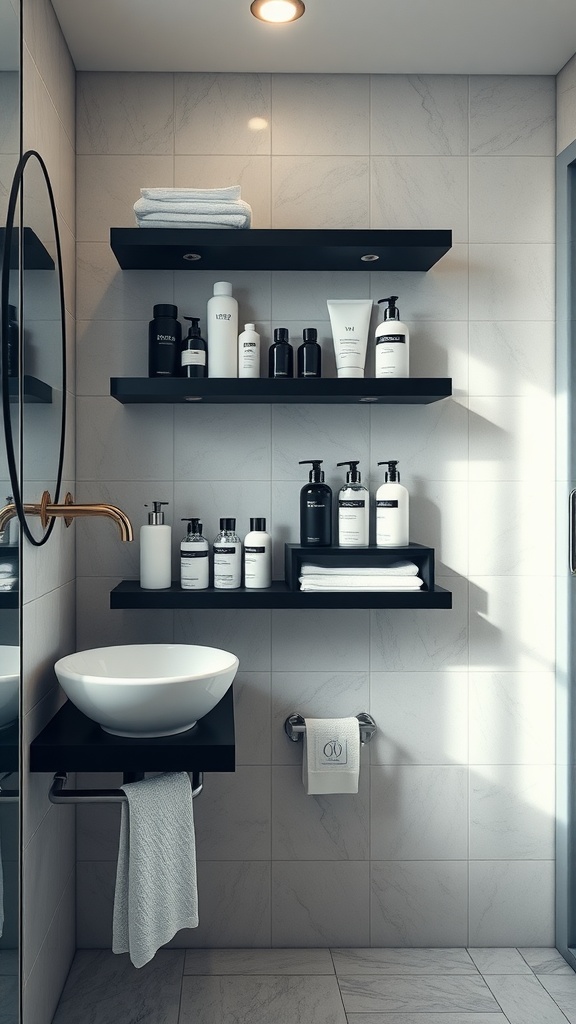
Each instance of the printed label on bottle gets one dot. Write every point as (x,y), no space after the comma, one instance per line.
(315,504)
(399,339)
(227,566)
(193,357)
(194,569)
(255,551)
(194,554)
(220,550)
(387,503)
(352,504)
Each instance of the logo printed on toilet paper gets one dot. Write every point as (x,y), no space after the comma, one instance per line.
(334,752)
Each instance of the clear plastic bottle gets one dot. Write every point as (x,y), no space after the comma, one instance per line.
(194,561)
(353,510)
(227,557)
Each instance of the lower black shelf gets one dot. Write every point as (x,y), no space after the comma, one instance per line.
(129,594)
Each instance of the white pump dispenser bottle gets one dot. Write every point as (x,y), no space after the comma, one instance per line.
(155,550)
(392,356)
(392,515)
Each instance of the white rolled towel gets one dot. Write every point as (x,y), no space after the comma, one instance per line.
(177,195)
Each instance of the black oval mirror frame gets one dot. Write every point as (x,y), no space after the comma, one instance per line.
(15,193)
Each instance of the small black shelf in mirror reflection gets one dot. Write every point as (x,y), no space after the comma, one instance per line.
(9,749)
(36,255)
(34,390)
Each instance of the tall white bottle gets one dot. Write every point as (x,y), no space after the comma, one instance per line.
(257,556)
(249,352)
(392,356)
(353,510)
(392,509)
(155,550)
(222,330)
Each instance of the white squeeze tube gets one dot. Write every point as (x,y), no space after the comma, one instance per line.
(350,320)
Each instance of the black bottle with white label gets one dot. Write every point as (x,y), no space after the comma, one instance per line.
(353,509)
(194,561)
(164,337)
(227,551)
(194,351)
(392,356)
(281,355)
(315,508)
(309,355)
(392,518)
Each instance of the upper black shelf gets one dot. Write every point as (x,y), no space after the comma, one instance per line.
(325,390)
(33,389)
(272,249)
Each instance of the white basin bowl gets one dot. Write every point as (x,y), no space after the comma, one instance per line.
(145,690)
(9,684)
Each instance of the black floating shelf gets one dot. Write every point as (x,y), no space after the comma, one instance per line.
(270,249)
(72,742)
(9,749)
(322,391)
(34,390)
(9,599)
(129,594)
(35,253)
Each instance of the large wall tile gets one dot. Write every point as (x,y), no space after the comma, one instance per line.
(419,115)
(245,633)
(421,718)
(222,114)
(252,715)
(510,436)
(48,975)
(108,187)
(511,281)
(107,293)
(437,518)
(419,903)
(419,813)
(500,914)
(329,640)
(320,192)
(512,199)
(320,115)
(193,289)
(440,294)
(512,718)
(512,623)
(233,906)
(511,528)
(508,358)
(110,348)
(313,694)
(512,812)
(422,641)
(566,119)
(318,827)
(430,441)
(146,449)
(198,450)
(122,113)
(320,903)
(304,295)
(438,348)
(512,115)
(420,192)
(101,626)
(233,821)
(252,173)
(338,432)
(48,867)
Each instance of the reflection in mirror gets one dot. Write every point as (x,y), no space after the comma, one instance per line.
(9,561)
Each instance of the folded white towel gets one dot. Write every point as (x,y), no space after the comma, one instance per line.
(313,588)
(8,582)
(156,892)
(319,583)
(196,220)
(331,757)
(177,195)
(402,568)
(147,207)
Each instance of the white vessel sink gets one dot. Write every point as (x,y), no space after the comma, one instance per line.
(9,684)
(144,690)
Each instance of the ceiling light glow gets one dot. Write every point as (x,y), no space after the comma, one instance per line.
(277,11)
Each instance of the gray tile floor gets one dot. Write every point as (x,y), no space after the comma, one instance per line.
(321,986)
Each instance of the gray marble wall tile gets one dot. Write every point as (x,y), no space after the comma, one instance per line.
(512,812)
(95,882)
(193,289)
(252,714)
(419,813)
(314,694)
(234,821)
(437,517)
(48,635)
(512,199)
(107,293)
(110,348)
(318,827)
(520,430)
(430,441)
(508,358)
(234,906)
(245,633)
(505,960)
(500,914)
(513,629)
(438,348)
(320,903)
(146,451)
(48,867)
(419,903)
(260,1000)
(304,295)
(252,173)
(108,187)
(441,294)
(42,35)
(320,192)
(40,122)
(566,119)
(100,626)
(330,640)
(423,718)
(422,641)
(402,961)
(524,1001)
(103,987)
(511,281)
(97,825)
(199,451)
(221,114)
(9,118)
(320,115)
(47,978)
(546,960)
(258,961)
(420,192)
(566,77)
(419,115)
(339,432)
(124,113)
(512,718)
(424,995)
(512,115)
(511,528)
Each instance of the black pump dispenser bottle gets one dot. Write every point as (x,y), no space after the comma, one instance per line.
(315,508)
(194,351)
(281,355)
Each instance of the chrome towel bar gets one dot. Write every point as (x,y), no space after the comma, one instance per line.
(295,727)
(57,794)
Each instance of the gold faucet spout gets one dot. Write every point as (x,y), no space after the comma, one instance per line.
(46,509)
(6,514)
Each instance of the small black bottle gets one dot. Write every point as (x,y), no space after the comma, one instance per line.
(194,351)
(309,361)
(315,508)
(281,355)
(164,337)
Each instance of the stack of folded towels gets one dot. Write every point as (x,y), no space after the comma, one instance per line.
(400,576)
(8,578)
(192,208)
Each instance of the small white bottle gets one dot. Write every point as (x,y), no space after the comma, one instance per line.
(353,510)
(227,557)
(392,514)
(249,352)
(222,332)
(155,551)
(194,561)
(392,357)
(257,556)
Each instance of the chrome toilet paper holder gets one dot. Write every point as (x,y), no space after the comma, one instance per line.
(295,727)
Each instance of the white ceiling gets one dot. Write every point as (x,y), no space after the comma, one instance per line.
(517,37)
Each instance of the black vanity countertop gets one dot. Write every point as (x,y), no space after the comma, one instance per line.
(71,742)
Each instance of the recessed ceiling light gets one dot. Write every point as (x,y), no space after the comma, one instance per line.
(277,11)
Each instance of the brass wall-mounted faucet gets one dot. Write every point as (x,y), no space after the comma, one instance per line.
(68,511)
